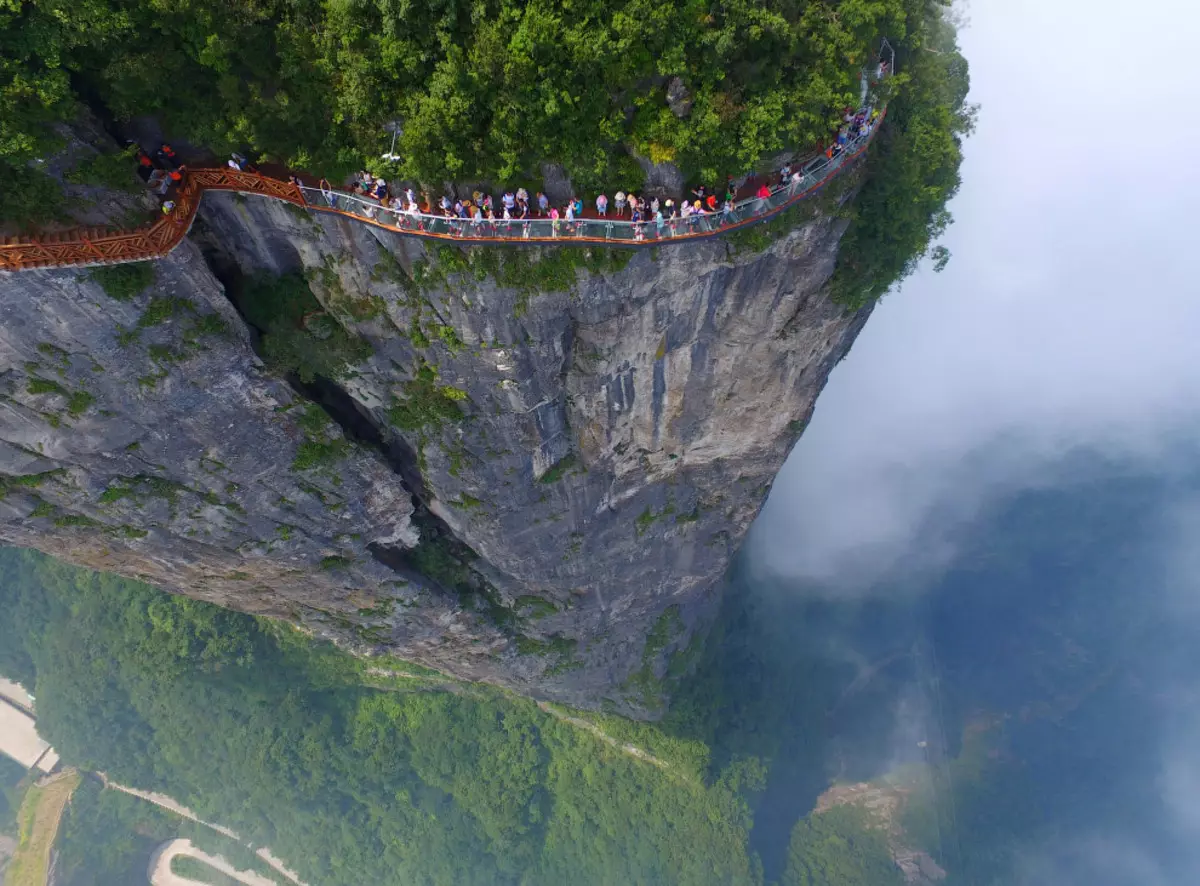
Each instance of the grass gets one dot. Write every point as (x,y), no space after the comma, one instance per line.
(39,818)
(558,469)
(426,404)
(531,606)
(193,869)
(124,282)
(161,309)
(45,386)
(26,481)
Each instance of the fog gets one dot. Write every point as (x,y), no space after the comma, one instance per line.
(1066,324)
(1067,317)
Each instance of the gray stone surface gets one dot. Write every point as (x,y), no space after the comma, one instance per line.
(662,398)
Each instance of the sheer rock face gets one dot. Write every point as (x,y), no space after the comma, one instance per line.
(617,441)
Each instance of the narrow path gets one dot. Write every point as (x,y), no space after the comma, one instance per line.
(87,247)
(165,802)
(628,749)
(160,874)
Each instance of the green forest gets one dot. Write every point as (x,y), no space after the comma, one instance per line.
(260,729)
(1031,645)
(489,90)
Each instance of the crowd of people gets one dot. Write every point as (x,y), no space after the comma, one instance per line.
(162,171)
(482,214)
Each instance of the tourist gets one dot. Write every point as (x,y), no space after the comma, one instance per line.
(728,208)
(602,206)
(145,165)
(785,173)
(168,207)
(578,207)
(543,203)
(659,222)
(619,199)
(293,179)
(510,200)
(698,192)
(446,205)
(166,155)
(327,193)
(710,202)
(763,194)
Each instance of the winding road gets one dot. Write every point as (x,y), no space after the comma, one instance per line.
(160,873)
(171,805)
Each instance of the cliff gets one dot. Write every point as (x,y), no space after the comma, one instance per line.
(534,473)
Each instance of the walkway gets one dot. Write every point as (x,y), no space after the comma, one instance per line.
(83,247)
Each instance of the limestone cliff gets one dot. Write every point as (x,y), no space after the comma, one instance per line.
(562,530)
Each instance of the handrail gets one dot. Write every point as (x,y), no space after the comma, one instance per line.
(83,247)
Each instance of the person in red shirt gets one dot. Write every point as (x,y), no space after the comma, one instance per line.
(762,194)
(145,165)
(710,202)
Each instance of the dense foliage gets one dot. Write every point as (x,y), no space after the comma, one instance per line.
(486,89)
(11,789)
(107,836)
(298,335)
(912,172)
(257,730)
(839,846)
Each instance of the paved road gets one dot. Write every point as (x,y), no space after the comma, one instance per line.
(160,873)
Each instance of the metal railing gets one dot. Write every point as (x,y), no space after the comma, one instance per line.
(813,174)
(84,247)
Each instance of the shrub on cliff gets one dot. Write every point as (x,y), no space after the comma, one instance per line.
(298,336)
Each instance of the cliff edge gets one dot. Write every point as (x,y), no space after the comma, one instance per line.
(527,467)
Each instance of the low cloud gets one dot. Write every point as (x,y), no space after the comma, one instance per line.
(1067,320)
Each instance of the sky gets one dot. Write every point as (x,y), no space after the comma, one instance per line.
(1066,318)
